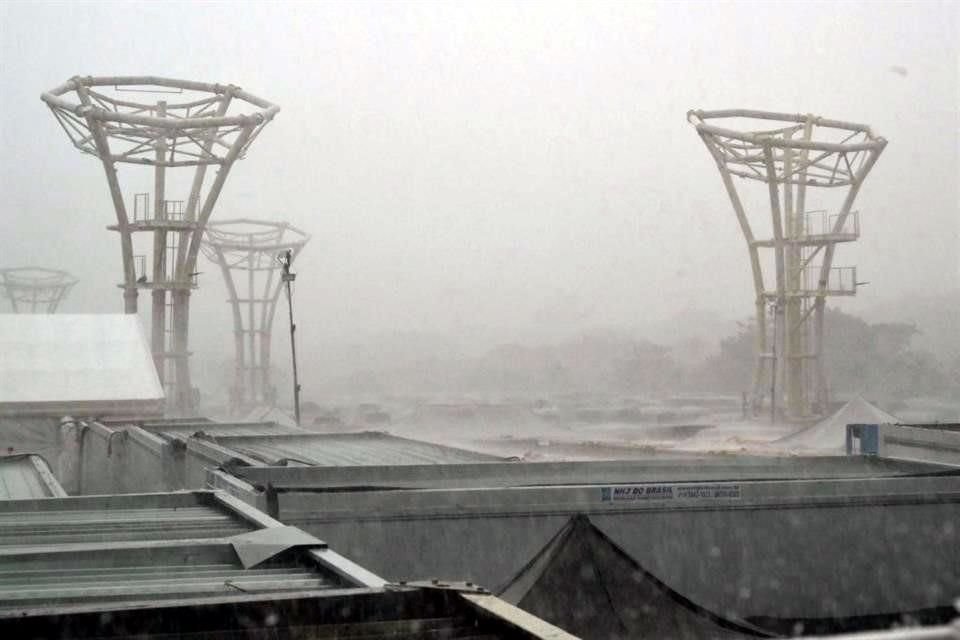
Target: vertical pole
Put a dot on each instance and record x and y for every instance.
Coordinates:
(251, 322)
(806, 367)
(792, 350)
(773, 367)
(760, 350)
(778, 248)
(158, 341)
(183, 390)
(288, 278)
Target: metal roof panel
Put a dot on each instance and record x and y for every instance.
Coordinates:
(102, 519)
(361, 449)
(57, 576)
(27, 476)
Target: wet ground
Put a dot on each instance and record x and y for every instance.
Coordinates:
(587, 426)
(530, 432)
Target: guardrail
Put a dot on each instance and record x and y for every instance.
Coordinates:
(925, 443)
(172, 210)
(841, 281)
(820, 224)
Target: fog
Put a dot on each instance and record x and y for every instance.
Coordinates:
(474, 174)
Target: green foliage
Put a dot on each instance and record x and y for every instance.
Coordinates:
(876, 359)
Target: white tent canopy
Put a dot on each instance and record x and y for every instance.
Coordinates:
(80, 365)
(830, 433)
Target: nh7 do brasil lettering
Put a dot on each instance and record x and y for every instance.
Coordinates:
(643, 492)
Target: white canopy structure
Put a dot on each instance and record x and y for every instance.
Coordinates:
(830, 434)
(79, 365)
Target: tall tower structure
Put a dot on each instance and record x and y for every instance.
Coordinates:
(174, 130)
(35, 289)
(247, 253)
(809, 171)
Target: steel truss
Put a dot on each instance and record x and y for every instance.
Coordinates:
(798, 158)
(247, 254)
(163, 124)
(35, 289)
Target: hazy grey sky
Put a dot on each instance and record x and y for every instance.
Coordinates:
(495, 165)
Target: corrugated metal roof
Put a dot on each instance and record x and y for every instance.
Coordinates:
(182, 430)
(27, 476)
(599, 472)
(435, 611)
(104, 519)
(348, 450)
(116, 551)
(54, 577)
(122, 421)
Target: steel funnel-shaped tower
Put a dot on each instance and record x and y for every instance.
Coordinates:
(175, 130)
(35, 289)
(809, 170)
(247, 252)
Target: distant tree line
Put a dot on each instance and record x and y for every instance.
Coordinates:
(874, 359)
(860, 357)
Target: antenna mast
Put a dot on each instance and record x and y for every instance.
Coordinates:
(286, 259)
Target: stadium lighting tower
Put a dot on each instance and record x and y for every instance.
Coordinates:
(175, 129)
(809, 170)
(246, 252)
(34, 289)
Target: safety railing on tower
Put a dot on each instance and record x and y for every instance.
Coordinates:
(820, 225)
(841, 281)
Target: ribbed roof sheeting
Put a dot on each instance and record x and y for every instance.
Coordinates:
(49, 579)
(52, 585)
(117, 525)
(95, 519)
(27, 476)
(403, 612)
(349, 450)
(183, 430)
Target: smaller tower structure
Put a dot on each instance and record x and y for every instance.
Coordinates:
(249, 254)
(35, 289)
